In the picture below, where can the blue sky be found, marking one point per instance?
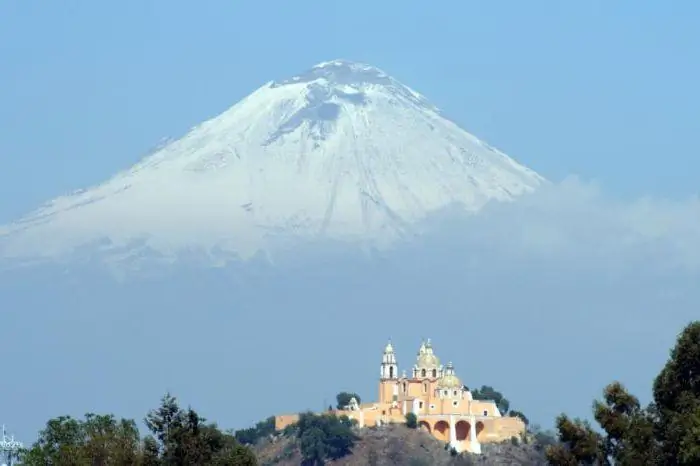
(604, 90)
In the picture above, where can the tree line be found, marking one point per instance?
(177, 437)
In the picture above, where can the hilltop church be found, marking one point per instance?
(433, 392)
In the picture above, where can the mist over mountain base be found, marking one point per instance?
(546, 299)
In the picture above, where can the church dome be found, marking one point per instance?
(426, 357)
(449, 381)
(428, 361)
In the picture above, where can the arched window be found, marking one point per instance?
(425, 387)
(422, 373)
(434, 373)
(391, 372)
(404, 387)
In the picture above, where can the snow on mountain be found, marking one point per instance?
(342, 151)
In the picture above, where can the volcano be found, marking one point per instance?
(342, 151)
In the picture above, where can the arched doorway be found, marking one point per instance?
(441, 431)
(462, 430)
(424, 425)
(480, 431)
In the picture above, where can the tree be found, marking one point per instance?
(665, 433)
(677, 401)
(324, 437)
(179, 437)
(182, 437)
(343, 399)
(98, 439)
(252, 435)
(629, 429)
(579, 444)
(411, 421)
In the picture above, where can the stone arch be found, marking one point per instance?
(462, 429)
(441, 430)
(480, 431)
(425, 425)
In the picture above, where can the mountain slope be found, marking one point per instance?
(342, 151)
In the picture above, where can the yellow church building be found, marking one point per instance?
(433, 392)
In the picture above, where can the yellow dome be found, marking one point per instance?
(449, 381)
(428, 361)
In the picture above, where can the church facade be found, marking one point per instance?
(433, 392)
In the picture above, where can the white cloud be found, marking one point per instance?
(576, 224)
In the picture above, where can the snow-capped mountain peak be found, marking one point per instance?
(342, 150)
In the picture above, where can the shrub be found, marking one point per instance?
(411, 421)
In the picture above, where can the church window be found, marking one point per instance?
(391, 372)
(434, 373)
(432, 406)
(420, 405)
(455, 403)
(455, 393)
(404, 387)
(486, 413)
(425, 388)
(422, 373)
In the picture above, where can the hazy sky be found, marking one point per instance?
(548, 299)
(605, 90)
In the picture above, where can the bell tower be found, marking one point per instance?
(388, 375)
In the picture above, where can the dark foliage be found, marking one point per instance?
(665, 433)
(178, 437)
(323, 437)
(343, 399)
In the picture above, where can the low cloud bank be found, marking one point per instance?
(547, 299)
(577, 224)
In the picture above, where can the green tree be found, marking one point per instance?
(98, 439)
(677, 401)
(179, 437)
(411, 421)
(182, 437)
(324, 437)
(252, 435)
(343, 399)
(579, 444)
(665, 433)
(629, 429)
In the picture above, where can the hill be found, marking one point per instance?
(394, 445)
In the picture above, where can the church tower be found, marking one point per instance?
(388, 376)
